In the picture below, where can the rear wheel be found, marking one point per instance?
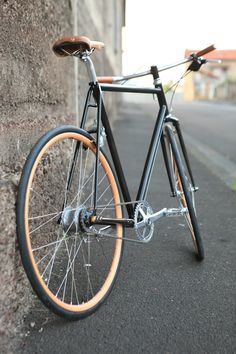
(71, 268)
(185, 193)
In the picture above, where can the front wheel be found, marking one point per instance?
(71, 268)
(184, 192)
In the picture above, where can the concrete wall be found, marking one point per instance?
(39, 91)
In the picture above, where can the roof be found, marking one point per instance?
(224, 54)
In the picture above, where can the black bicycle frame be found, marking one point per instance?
(157, 137)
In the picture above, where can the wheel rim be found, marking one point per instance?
(74, 268)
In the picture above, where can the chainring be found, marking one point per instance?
(144, 227)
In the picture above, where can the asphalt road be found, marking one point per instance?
(164, 300)
(211, 134)
(214, 124)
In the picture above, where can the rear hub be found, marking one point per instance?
(75, 219)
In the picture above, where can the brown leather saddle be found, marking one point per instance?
(74, 44)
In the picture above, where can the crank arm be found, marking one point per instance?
(160, 214)
(99, 220)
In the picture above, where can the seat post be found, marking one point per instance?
(90, 68)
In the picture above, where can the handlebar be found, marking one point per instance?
(194, 58)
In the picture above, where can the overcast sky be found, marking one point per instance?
(158, 32)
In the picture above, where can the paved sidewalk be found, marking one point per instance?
(164, 301)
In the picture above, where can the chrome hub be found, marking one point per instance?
(75, 219)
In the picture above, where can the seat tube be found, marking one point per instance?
(99, 101)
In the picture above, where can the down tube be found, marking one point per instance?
(151, 155)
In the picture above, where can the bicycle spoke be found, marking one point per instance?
(47, 245)
(68, 264)
(106, 206)
(45, 223)
(104, 192)
(73, 286)
(69, 268)
(41, 197)
(52, 260)
(86, 266)
(70, 170)
(44, 216)
(86, 182)
(99, 183)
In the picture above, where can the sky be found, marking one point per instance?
(158, 32)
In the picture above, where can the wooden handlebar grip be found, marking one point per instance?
(205, 50)
(105, 79)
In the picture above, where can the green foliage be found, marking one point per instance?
(234, 186)
(167, 86)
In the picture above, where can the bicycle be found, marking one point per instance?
(72, 200)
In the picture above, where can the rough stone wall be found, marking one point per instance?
(38, 91)
(102, 20)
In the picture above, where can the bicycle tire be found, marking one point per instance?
(184, 192)
(59, 256)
